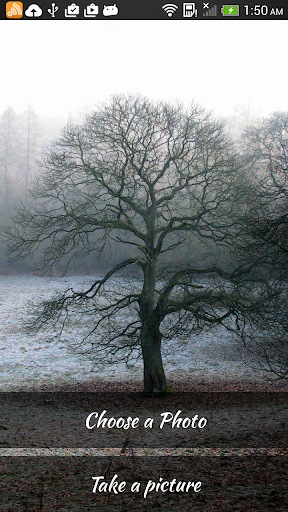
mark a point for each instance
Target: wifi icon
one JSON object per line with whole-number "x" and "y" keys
{"x": 170, "y": 9}
{"x": 14, "y": 9}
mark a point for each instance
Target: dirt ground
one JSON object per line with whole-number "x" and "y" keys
{"x": 255, "y": 479}
{"x": 65, "y": 484}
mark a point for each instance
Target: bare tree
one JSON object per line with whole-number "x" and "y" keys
{"x": 146, "y": 176}
{"x": 266, "y": 226}
{"x": 266, "y": 148}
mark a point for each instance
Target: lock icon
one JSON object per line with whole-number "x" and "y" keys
{"x": 91, "y": 11}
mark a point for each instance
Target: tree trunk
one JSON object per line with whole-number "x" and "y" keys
{"x": 154, "y": 376}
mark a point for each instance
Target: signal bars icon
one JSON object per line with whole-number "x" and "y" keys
{"x": 211, "y": 12}
{"x": 170, "y": 9}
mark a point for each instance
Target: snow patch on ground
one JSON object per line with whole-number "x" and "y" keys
{"x": 31, "y": 360}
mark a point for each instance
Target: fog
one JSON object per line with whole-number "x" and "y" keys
{"x": 68, "y": 67}
{"x": 55, "y": 77}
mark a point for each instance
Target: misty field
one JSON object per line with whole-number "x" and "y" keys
{"x": 44, "y": 359}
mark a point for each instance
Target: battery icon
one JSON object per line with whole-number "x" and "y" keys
{"x": 230, "y": 10}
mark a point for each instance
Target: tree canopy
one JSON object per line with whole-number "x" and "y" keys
{"x": 155, "y": 178}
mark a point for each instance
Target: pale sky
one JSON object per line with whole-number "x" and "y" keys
{"x": 65, "y": 67}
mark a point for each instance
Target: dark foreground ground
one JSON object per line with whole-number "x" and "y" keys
{"x": 65, "y": 484}
{"x": 251, "y": 481}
